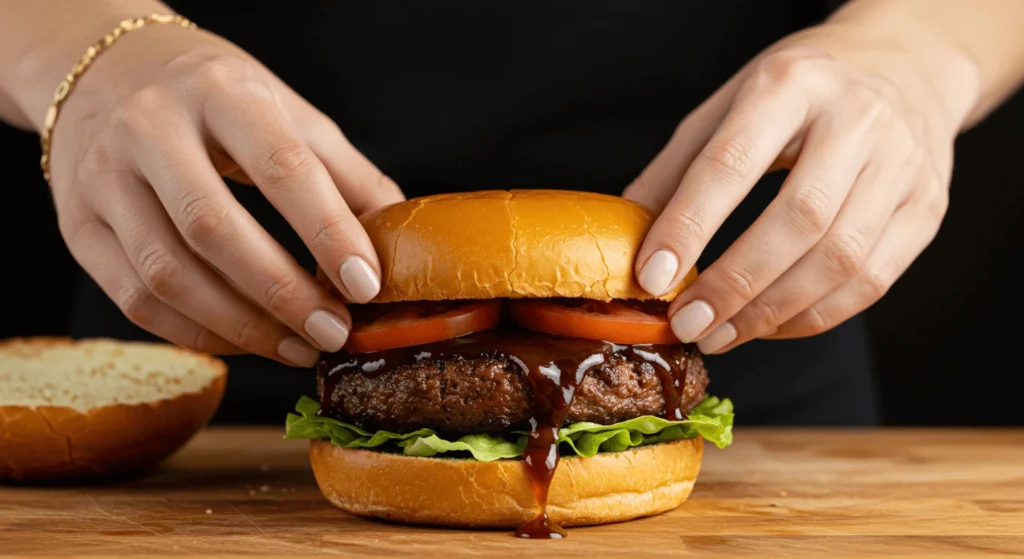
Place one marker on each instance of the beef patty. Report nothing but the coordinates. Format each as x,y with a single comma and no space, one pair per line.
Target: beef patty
461,396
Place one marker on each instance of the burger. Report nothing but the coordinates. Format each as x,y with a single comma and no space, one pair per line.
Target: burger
511,373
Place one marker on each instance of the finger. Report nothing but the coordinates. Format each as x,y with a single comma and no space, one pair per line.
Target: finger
258,135
762,121
362,185
226,167
911,229
322,279
350,170
655,185
833,261
226,236
98,250
835,150
176,276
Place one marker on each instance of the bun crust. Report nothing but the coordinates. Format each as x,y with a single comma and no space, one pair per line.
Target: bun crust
59,442
610,487
511,244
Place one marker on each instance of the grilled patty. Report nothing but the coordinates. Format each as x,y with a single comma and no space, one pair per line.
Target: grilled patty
463,396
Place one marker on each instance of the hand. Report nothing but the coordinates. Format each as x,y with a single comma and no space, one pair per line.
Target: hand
138,155
870,157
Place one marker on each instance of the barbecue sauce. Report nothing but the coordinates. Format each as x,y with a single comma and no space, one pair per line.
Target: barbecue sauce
553,366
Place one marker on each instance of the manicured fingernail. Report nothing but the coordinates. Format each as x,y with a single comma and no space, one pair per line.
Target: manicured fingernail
327,330
691,320
718,338
298,351
360,280
656,275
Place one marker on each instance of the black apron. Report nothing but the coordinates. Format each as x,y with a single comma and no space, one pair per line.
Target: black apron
458,96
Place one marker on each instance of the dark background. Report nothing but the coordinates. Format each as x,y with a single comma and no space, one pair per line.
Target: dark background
946,335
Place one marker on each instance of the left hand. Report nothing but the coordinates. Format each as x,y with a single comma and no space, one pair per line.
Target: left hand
869,148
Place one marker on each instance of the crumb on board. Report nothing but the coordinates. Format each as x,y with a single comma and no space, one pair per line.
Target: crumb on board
209,511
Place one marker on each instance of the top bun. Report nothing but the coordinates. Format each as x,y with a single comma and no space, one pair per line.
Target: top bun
511,244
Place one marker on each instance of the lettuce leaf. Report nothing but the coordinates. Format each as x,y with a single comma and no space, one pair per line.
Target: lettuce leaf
712,419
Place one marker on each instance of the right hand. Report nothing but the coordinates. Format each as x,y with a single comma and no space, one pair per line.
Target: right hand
136,164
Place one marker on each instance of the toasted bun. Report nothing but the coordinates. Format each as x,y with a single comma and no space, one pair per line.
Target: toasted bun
523,243
607,488
82,409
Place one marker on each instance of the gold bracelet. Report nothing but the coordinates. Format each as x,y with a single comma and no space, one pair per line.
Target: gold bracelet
83,64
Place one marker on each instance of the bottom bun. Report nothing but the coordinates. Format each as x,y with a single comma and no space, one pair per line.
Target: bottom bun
72,410
610,487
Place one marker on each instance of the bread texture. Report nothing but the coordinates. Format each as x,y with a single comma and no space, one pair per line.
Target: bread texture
609,487
511,244
81,409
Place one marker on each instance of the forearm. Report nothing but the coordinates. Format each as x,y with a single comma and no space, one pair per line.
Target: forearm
973,51
40,41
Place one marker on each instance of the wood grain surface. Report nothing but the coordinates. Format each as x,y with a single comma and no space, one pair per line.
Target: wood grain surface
821,493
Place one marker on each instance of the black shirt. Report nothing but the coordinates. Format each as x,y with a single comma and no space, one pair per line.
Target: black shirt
457,96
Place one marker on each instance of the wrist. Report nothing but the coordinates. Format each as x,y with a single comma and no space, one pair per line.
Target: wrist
50,38
124,65
935,76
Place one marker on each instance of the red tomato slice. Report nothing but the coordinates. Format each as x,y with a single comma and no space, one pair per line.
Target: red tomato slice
620,322
376,327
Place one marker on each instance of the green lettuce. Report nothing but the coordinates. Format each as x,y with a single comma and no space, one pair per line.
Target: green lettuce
712,419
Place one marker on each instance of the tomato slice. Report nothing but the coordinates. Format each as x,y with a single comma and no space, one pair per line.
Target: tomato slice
376,327
620,322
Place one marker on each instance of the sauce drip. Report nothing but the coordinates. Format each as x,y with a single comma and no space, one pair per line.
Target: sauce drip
553,366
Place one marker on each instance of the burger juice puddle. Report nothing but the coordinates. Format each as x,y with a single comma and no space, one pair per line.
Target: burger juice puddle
554,368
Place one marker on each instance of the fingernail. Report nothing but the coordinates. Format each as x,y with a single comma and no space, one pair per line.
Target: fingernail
298,351
691,320
327,330
718,338
656,275
360,280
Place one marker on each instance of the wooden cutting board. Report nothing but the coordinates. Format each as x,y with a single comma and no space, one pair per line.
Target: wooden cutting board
820,493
